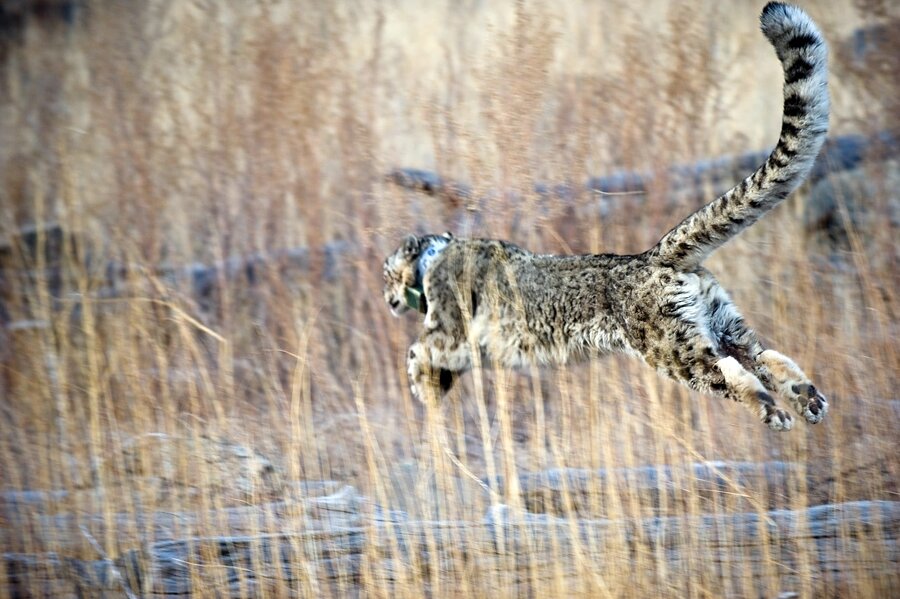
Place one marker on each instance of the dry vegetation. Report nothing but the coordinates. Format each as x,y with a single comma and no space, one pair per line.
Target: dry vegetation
161,135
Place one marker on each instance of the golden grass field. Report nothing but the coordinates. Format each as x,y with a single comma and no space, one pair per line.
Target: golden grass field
162,135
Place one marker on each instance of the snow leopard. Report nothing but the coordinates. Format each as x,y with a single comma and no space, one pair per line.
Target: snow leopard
499,303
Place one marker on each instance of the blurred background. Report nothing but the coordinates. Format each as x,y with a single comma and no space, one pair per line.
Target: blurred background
195,201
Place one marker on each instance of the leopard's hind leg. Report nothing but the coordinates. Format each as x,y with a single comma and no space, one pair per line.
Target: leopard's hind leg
749,389
782,374
778,373
701,367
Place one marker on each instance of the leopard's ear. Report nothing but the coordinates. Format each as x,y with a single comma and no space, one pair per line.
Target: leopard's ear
448,234
411,246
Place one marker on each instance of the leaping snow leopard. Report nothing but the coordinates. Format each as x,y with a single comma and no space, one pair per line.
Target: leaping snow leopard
518,308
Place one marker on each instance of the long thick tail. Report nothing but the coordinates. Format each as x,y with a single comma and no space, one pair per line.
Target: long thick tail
803,54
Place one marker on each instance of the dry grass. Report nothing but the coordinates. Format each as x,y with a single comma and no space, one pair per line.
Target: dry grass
169,133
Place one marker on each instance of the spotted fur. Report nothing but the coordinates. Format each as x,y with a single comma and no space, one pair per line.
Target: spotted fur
492,299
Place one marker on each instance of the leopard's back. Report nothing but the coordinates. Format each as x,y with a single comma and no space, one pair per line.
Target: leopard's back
532,308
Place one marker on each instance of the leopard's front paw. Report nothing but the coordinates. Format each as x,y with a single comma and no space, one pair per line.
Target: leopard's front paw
415,377
414,390
417,371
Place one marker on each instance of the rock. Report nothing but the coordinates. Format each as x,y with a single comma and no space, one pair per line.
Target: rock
580,490
786,549
203,461
846,203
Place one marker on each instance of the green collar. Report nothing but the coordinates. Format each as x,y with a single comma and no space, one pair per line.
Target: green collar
415,296
415,299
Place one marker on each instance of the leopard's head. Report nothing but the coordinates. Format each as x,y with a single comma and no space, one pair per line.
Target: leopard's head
400,273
